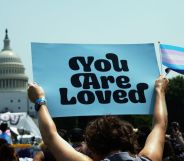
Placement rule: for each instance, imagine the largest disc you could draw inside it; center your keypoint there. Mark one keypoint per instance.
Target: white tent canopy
(20, 121)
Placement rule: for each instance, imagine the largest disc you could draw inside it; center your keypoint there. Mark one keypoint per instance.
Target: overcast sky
(90, 21)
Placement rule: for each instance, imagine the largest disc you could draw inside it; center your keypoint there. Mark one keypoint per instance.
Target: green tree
(175, 100)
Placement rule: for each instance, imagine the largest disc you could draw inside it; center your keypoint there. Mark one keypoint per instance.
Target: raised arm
(154, 145)
(61, 150)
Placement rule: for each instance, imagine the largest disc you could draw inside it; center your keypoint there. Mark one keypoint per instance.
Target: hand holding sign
(35, 92)
(161, 84)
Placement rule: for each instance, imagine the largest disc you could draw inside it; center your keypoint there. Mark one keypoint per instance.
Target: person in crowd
(77, 138)
(64, 134)
(4, 135)
(142, 134)
(168, 153)
(177, 141)
(77, 141)
(7, 153)
(177, 134)
(108, 138)
(27, 153)
(44, 154)
(3, 141)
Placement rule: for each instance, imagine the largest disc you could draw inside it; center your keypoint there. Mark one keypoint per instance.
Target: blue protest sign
(96, 79)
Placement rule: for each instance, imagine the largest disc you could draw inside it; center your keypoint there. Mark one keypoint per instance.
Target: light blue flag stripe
(173, 66)
(170, 47)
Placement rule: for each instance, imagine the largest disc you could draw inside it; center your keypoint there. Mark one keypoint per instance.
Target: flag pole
(161, 68)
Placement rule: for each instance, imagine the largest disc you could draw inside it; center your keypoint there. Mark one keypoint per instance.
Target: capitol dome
(12, 71)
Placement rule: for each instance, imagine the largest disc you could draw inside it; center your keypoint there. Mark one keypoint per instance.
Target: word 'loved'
(97, 88)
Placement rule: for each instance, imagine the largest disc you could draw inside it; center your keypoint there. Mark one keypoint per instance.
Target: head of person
(142, 134)
(76, 135)
(64, 134)
(175, 125)
(110, 134)
(3, 141)
(174, 128)
(7, 153)
(3, 126)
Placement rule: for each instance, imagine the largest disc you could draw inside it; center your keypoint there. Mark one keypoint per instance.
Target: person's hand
(35, 91)
(161, 84)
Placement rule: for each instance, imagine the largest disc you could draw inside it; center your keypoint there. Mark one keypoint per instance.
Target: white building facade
(13, 82)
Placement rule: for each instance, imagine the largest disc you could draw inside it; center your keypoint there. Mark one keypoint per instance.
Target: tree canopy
(175, 100)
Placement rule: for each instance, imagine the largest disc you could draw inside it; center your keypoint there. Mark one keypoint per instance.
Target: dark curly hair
(109, 133)
(4, 126)
(7, 153)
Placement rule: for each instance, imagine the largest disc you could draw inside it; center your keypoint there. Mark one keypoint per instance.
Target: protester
(177, 134)
(76, 138)
(104, 132)
(142, 134)
(77, 141)
(2, 141)
(27, 153)
(64, 134)
(4, 135)
(177, 141)
(44, 154)
(168, 154)
(7, 153)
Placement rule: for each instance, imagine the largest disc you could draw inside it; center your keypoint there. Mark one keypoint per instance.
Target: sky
(90, 21)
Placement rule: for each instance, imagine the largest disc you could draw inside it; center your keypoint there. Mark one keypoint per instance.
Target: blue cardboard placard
(96, 79)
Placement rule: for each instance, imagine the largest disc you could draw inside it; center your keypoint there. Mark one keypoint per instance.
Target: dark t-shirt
(124, 156)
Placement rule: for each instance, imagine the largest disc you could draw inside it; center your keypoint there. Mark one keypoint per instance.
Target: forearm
(160, 111)
(154, 145)
(46, 125)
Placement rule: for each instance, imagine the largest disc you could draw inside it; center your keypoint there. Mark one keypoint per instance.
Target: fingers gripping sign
(161, 84)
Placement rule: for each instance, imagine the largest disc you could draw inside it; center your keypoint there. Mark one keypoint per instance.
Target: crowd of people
(173, 148)
(107, 138)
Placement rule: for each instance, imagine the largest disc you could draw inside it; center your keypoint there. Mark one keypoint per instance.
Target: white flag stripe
(173, 57)
(171, 61)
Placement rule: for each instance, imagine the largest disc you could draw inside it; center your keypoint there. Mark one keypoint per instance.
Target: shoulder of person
(124, 156)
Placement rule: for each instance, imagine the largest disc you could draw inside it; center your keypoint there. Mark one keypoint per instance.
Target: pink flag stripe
(174, 57)
(169, 61)
(167, 51)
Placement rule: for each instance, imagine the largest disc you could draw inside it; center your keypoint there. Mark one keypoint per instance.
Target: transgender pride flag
(173, 57)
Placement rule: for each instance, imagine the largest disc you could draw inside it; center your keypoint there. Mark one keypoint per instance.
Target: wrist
(39, 102)
(160, 92)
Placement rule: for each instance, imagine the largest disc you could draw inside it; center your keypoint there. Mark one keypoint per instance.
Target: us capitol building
(13, 82)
